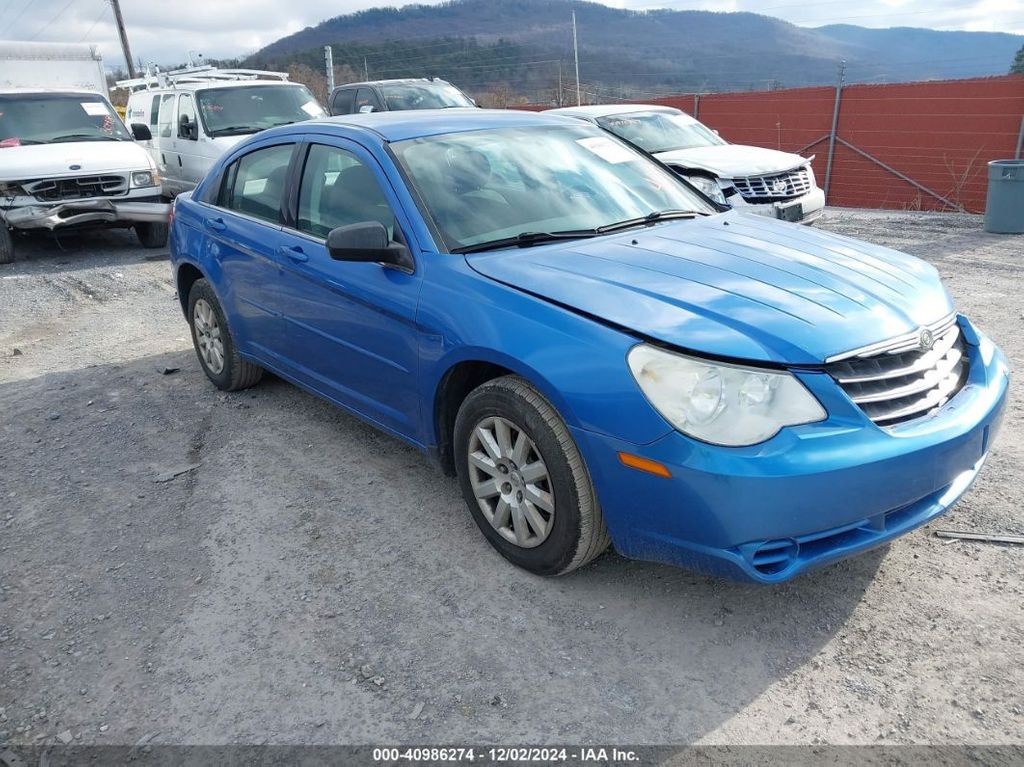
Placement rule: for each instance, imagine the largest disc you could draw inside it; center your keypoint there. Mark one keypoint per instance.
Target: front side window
(660, 131)
(482, 186)
(365, 97)
(54, 118)
(186, 115)
(338, 189)
(154, 112)
(241, 110)
(427, 95)
(343, 101)
(254, 184)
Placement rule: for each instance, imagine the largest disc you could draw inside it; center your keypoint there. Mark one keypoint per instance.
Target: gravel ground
(305, 579)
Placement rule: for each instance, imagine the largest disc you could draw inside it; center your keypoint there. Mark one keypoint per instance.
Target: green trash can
(1004, 209)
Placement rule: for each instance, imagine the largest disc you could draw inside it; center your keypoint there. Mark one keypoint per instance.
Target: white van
(195, 115)
(66, 158)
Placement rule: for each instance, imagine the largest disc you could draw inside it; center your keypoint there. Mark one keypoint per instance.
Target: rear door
(244, 236)
(352, 325)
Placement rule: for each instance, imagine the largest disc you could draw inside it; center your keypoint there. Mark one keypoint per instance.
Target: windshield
(427, 95)
(50, 118)
(660, 131)
(483, 186)
(234, 111)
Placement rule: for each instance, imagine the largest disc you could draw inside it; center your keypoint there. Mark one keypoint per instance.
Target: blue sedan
(597, 351)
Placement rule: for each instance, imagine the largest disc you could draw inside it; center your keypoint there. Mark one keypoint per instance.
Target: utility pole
(576, 56)
(835, 125)
(560, 85)
(329, 63)
(366, 69)
(124, 38)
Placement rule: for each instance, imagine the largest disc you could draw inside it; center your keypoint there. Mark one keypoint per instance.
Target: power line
(55, 17)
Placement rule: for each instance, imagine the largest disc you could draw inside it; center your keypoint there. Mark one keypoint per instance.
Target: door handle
(216, 224)
(294, 253)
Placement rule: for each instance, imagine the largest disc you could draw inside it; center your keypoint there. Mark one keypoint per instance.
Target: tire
(226, 369)
(6, 244)
(574, 532)
(151, 235)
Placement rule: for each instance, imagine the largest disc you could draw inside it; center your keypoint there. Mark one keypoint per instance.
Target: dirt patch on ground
(303, 578)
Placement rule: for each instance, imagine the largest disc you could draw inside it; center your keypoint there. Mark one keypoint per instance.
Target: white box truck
(66, 158)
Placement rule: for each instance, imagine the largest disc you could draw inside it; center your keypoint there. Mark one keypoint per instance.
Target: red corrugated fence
(939, 134)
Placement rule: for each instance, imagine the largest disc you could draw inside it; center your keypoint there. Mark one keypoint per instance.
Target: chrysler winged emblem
(927, 340)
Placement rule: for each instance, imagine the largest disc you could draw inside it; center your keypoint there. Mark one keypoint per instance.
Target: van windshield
(236, 111)
(51, 118)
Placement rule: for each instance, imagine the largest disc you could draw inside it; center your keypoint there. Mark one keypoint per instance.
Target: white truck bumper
(77, 212)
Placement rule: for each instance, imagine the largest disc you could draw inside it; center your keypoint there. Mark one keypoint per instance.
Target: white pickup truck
(66, 158)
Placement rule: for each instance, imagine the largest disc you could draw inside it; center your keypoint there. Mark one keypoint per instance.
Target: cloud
(166, 33)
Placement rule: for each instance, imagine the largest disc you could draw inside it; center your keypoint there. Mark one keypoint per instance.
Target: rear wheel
(215, 347)
(6, 244)
(151, 234)
(524, 479)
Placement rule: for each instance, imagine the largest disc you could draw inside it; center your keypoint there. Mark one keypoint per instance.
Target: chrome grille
(903, 382)
(775, 187)
(81, 188)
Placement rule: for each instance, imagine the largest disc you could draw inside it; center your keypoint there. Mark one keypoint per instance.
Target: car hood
(733, 286)
(732, 160)
(23, 163)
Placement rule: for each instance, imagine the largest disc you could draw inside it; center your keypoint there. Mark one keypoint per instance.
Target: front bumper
(809, 496)
(804, 210)
(85, 212)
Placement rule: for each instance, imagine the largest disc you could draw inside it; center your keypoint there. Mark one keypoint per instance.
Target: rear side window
(254, 184)
(343, 101)
(338, 189)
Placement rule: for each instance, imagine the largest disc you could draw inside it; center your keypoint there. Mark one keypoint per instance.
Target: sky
(166, 32)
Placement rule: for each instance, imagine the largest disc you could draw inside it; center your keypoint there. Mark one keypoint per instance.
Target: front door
(352, 325)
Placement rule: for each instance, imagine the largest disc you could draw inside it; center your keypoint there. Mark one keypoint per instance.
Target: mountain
(524, 47)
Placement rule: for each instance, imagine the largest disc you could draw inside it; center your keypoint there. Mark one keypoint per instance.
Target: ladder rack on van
(201, 74)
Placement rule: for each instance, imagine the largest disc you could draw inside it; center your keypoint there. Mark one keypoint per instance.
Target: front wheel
(524, 479)
(151, 234)
(215, 347)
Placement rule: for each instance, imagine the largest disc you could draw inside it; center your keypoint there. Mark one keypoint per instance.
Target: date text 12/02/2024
(494, 754)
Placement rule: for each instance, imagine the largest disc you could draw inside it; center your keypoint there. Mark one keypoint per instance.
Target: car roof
(421, 123)
(395, 81)
(50, 91)
(593, 111)
(196, 86)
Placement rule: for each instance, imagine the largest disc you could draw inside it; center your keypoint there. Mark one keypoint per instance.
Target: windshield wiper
(526, 239)
(82, 137)
(650, 218)
(234, 130)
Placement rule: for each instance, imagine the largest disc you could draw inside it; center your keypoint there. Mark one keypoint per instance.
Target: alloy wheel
(208, 336)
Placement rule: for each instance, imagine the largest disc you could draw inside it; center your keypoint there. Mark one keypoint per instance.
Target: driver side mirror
(368, 242)
(141, 132)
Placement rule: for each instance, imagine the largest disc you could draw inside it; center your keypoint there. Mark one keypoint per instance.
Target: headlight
(723, 404)
(708, 186)
(144, 178)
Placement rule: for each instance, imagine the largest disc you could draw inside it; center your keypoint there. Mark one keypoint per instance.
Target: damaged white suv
(67, 160)
(749, 178)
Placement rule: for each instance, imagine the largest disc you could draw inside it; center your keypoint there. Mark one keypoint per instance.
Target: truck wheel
(151, 234)
(215, 347)
(524, 479)
(6, 244)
